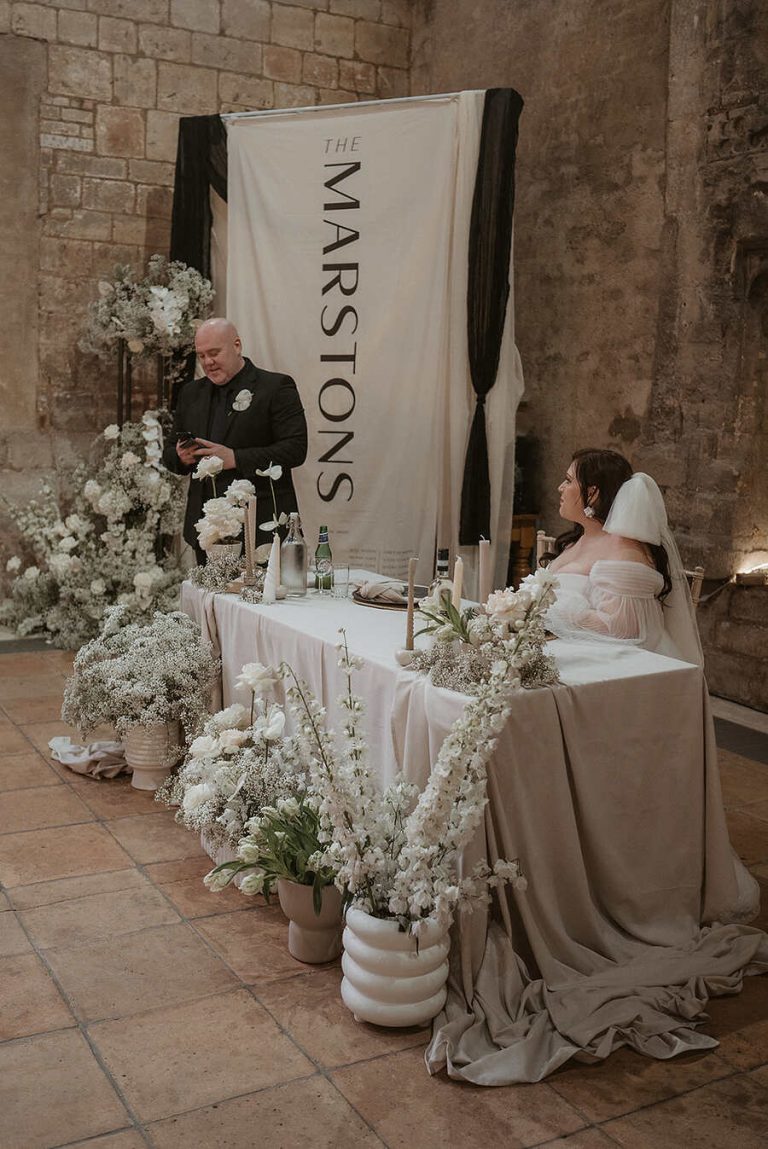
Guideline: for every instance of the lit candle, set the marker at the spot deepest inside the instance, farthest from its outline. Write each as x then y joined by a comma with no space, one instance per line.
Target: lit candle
485,570
412,564
458,578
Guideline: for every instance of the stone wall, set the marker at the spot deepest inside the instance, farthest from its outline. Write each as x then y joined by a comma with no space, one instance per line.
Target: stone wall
92,91
641,248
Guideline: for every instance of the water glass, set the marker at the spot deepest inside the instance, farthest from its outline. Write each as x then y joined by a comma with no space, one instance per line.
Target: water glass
340,588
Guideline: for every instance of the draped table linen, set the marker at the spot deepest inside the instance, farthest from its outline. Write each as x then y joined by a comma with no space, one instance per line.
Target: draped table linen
606,788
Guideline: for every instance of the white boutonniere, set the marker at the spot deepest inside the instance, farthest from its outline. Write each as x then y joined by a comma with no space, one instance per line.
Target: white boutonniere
243,400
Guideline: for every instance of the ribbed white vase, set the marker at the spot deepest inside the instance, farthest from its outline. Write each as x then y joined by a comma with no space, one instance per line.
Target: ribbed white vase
146,752
388,981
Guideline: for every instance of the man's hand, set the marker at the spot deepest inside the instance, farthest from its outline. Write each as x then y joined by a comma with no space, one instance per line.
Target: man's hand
187,454
204,449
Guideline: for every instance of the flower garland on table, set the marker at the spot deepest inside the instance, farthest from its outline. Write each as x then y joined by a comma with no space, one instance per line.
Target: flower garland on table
507,629
136,674
157,315
240,764
106,543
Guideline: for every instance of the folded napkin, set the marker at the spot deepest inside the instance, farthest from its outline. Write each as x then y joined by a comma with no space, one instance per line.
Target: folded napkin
386,590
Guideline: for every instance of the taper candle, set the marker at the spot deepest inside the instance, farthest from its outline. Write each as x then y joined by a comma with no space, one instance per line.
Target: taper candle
458,578
412,564
485,570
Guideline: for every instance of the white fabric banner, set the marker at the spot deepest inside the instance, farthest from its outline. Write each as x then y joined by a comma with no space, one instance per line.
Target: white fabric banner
348,232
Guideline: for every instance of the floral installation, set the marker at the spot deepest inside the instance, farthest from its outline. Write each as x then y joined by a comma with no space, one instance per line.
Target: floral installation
137,674
105,541
242,400
509,628
157,315
396,854
238,765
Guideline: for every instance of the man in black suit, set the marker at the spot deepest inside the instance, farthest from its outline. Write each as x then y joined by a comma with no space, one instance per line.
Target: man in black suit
247,417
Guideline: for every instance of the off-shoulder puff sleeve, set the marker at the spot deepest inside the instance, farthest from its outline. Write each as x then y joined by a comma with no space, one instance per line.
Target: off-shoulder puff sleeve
617,600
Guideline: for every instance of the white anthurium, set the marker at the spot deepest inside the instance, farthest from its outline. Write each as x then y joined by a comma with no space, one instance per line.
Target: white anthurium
262,553
257,677
273,524
273,472
208,467
243,400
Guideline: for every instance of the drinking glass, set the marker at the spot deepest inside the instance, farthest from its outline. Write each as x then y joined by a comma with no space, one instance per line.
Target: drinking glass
340,588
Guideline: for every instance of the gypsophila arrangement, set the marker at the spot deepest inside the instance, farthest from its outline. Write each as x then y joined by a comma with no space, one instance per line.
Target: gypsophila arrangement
138,674
105,541
217,573
157,315
241,763
508,629
396,854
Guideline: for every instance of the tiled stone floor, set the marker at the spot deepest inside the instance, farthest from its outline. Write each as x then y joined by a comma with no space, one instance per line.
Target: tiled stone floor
137,1009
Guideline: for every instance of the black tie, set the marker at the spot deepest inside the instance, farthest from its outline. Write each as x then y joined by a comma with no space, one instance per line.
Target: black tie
218,420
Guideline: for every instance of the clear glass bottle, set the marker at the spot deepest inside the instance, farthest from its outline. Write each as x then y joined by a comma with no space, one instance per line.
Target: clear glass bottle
442,580
323,563
293,558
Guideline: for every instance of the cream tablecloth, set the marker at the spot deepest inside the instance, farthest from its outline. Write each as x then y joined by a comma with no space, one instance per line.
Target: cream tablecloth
606,788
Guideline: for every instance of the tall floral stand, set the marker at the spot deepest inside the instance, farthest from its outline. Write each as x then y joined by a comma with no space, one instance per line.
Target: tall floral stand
389,979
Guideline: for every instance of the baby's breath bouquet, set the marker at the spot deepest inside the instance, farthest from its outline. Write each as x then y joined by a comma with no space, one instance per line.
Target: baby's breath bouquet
157,315
240,764
136,674
508,629
106,541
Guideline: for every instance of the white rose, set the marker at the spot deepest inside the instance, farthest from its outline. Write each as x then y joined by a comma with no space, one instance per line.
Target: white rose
98,586
256,677
112,431
234,716
92,490
239,491
129,459
31,573
143,580
13,564
208,467
204,746
196,796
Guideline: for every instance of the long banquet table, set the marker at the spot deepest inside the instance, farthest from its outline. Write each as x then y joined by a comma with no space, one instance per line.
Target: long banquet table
607,789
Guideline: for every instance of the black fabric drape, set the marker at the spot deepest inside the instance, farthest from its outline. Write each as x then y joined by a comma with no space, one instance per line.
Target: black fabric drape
201,164
490,238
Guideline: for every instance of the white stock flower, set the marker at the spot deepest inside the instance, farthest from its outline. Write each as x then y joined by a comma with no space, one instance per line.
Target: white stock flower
112,431
274,471
13,564
208,467
243,400
256,677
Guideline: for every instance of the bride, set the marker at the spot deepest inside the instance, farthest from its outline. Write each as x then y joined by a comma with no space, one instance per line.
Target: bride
620,573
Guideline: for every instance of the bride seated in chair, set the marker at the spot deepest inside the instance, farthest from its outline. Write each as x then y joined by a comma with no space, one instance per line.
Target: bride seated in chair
620,574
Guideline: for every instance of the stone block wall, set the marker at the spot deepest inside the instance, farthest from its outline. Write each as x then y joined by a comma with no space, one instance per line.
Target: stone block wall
94,90
734,633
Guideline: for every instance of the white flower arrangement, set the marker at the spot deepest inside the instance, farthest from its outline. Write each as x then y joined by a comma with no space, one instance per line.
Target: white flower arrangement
471,645
223,517
240,764
111,533
157,315
136,674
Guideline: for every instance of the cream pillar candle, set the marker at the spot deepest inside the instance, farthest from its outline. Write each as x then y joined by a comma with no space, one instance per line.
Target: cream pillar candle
485,570
458,579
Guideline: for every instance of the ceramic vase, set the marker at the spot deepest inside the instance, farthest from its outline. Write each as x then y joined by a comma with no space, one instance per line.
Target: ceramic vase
387,980
312,938
146,752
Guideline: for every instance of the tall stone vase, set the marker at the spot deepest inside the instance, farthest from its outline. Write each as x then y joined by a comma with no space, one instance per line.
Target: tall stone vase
312,938
388,980
146,751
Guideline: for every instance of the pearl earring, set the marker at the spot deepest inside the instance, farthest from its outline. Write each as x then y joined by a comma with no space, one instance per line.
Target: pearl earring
590,514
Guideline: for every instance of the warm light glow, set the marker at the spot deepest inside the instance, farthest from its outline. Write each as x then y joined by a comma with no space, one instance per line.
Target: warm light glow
757,561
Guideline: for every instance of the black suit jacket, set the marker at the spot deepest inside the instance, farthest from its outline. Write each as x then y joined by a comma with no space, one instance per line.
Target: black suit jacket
272,429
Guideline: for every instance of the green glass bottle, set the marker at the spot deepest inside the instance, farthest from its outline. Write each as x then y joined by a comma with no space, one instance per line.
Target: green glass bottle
323,563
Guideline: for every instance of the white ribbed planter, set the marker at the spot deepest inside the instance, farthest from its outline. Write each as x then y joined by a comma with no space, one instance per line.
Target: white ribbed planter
146,752
312,938
224,550
385,980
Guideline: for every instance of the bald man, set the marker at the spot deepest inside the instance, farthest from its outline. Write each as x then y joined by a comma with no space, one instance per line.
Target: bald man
266,426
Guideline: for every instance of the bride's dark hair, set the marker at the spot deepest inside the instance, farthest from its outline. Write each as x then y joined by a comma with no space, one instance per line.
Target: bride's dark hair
606,471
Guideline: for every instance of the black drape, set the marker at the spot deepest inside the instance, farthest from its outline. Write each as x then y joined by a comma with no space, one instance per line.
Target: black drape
201,164
490,238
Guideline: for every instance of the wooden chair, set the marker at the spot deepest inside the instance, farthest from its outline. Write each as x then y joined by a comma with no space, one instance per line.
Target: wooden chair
523,539
695,581
544,544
